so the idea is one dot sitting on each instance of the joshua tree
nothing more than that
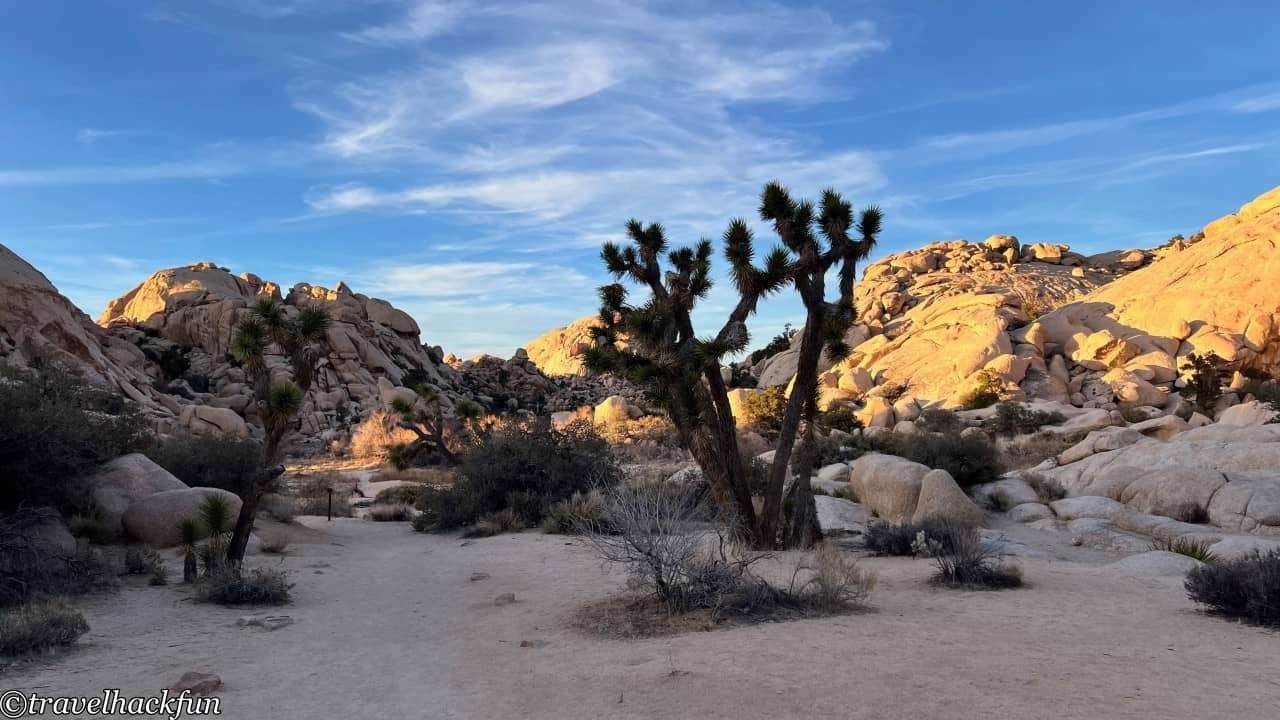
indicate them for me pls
(189, 529)
(215, 516)
(427, 420)
(825, 326)
(682, 372)
(298, 339)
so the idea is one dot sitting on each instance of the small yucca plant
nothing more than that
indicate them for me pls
(215, 514)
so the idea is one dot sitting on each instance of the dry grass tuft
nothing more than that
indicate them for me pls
(376, 434)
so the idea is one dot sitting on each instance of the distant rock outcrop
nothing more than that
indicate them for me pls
(191, 313)
(559, 352)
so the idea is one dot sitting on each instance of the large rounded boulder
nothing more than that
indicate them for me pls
(154, 519)
(119, 483)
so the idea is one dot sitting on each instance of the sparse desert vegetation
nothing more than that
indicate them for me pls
(672, 360)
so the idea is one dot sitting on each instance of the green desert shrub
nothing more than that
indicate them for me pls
(238, 586)
(763, 411)
(41, 625)
(406, 494)
(54, 429)
(1014, 418)
(939, 420)
(842, 418)
(216, 460)
(986, 392)
(1192, 548)
(1246, 588)
(1204, 380)
(525, 467)
(884, 538)
(971, 459)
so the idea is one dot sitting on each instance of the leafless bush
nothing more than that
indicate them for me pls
(313, 494)
(654, 531)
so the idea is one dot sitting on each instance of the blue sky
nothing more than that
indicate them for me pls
(465, 159)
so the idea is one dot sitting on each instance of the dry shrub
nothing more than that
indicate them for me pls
(275, 543)
(374, 437)
(579, 510)
(391, 513)
(964, 560)
(40, 625)
(496, 523)
(31, 567)
(833, 580)
(1031, 450)
(420, 475)
(313, 494)
(406, 494)
(279, 507)
(883, 538)
(237, 586)
(1047, 489)
(1247, 588)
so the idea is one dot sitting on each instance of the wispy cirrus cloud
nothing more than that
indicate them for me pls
(89, 136)
(99, 174)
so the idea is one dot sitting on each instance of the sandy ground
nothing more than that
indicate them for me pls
(388, 623)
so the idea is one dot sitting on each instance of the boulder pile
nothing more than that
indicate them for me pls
(1046, 324)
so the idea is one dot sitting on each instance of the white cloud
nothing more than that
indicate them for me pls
(90, 175)
(1262, 103)
(426, 19)
(542, 78)
(89, 136)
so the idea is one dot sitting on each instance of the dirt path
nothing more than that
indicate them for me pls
(389, 624)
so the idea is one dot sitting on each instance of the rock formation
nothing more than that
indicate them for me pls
(1052, 325)
(558, 352)
(191, 313)
(36, 321)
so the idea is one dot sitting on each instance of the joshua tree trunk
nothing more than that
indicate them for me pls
(802, 392)
(190, 567)
(249, 511)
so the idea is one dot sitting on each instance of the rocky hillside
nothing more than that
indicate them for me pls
(1055, 325)
(165, 346)
(183, 320)
(36, 321)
